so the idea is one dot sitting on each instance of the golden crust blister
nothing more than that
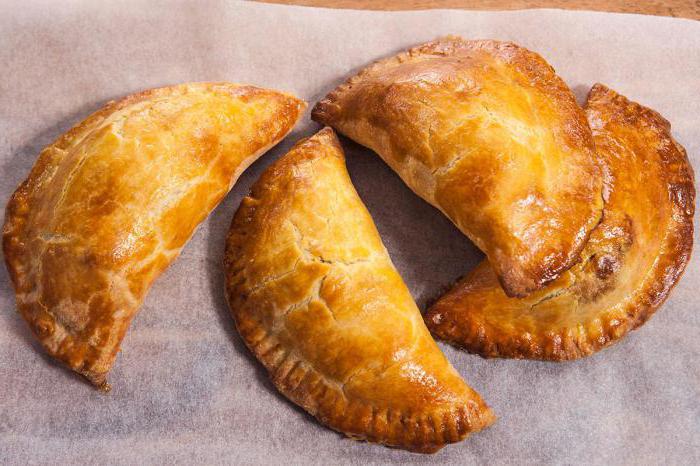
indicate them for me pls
(109, 205)
(317, 299)
(488, 133)
(632, 261)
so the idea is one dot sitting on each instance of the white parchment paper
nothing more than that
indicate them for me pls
(185, 389)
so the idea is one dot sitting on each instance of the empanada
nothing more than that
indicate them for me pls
(317, 299)
(486, 132)
(110, 204)
(627, 269)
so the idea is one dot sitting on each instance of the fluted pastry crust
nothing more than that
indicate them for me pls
(629, 266)
(486, 132)
(109, 205)
(317, 299)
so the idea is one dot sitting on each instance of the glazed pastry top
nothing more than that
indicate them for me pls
(489, 134)
(110, 204)
(317, 299)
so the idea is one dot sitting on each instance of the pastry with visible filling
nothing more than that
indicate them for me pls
(488, 133)
(631, 262)
(318, 301)
(109, 205)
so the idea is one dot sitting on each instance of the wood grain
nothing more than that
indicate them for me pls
(676, 8)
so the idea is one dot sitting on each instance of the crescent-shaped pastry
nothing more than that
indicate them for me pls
(486, 132)
(317, 299)
(108, 206)
(630, 264)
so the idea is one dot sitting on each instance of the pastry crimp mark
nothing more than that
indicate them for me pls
(632, 260)
(340, 335)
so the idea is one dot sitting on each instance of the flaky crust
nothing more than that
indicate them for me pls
(629, 266)
(486, 132)
(316, 298)
(109, 205)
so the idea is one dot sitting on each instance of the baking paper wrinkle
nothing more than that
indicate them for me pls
(185, 389)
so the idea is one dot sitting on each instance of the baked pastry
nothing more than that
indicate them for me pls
(630, 264)
(110, 204)
(486, 132)
(316, 298)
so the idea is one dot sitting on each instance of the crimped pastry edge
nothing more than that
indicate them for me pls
(563, 345)
(304, 385)
(447, 45)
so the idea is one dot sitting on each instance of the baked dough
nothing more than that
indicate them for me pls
(630, 264)
(110, 204)
(486, 132)
(316, 298)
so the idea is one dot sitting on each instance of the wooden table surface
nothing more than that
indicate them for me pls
(678, 8)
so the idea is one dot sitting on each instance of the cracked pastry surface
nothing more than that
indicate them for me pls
(486, 132)
(109, 205)
(317, 299)
(629, 266)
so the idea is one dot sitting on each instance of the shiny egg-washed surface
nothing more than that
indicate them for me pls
(630, 264)
(317, 299)
(109, 205)
(486, 132)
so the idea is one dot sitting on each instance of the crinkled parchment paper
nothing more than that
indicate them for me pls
(185, 390)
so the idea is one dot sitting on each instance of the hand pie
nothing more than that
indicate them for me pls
(627, 269)
(487, 133)
(316, 298)
(110, 204)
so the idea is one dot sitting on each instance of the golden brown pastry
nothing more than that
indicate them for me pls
(316, 298)
(486, 132)
(110, 204)
(627, 269)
